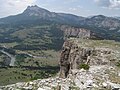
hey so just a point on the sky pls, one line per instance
(78, 7)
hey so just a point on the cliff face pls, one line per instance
(73, 54)
(76, 32)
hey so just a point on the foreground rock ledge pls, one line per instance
(103, 74)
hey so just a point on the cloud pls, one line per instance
(115, 3)
(111, 4)
(9, 7)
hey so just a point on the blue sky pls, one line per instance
(78, 7)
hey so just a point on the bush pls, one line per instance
(118, 64)
(84, 66)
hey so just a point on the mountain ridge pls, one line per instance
(34, 16)
(35, 12)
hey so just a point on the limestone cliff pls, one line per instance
(75, 53)
(76, 32)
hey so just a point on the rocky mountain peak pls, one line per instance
(35, 7)
(36, 11)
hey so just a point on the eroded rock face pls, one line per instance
(76, 32)
(72, 55)
(64, 59)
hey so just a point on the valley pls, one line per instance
(25, 65)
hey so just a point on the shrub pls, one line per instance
(118, 64)
(84, 66)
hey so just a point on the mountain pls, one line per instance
(103, 21)
(35, 13)
(117, 17)
(38, 28)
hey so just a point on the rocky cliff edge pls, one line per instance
(84, 65)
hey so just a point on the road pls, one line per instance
(11, 56)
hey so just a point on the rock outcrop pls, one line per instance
(72, 55)
(76, 32)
